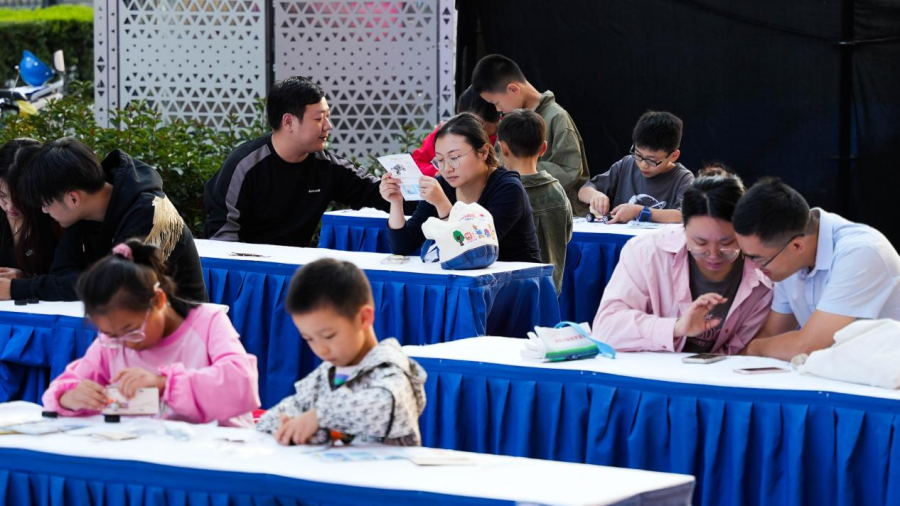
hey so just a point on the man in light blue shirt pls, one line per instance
(828, 271)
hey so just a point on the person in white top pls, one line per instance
(828, 271)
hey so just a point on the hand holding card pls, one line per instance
(403, 167)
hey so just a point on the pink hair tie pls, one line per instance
(123, 250)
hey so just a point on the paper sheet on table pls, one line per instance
(404, 167)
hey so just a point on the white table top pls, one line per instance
(73, 309)
(580, 225)
(491, 476)
(366, 261)
(647, 365)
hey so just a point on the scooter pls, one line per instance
(39, 89)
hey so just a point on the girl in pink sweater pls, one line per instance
(148, 337)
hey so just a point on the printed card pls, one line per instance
(404, 167)
(144, 402)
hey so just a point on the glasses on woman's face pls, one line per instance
(704, 252)
(639, 158)
(452, 161)
(134, 336)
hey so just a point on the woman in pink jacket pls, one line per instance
(149, 338)
(687, 289)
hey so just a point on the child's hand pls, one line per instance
(86, 395)
(599, 204)
(623, 213)
(297, 430)
(134, 378)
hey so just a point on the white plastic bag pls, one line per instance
(467, 240)
(566, 341)
(866, 352)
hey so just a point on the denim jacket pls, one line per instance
(552, 214)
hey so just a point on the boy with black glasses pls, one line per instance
(648, 183)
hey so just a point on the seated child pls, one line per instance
(502, 83)
(364, 390)
(149, 337)
(469, 101)
(522, 142)
(647, 184)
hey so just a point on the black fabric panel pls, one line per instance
(875, 177)
(756, 83)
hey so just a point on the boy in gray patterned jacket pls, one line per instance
(364, 390)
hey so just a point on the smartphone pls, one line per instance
(703, 358)
(395, 259)
(761, 370)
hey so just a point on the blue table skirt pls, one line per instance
(36, 348)
(414, 308)
(590, 259)
(28, 477)
(590, 262)
(744, 446)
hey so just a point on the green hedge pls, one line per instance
(43, 31)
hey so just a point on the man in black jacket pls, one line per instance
(101, 205)
(274, 189)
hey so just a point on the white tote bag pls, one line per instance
(866, 352)
(467, 240)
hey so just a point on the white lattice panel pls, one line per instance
(382, 64)
(106, 58)
(193, 59)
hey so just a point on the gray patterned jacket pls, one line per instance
(380, 403)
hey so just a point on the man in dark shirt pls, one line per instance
(101, 204)
(274, 189)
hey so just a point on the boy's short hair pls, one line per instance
(523, 131)
(658, 131)
(494, 72)
(772, 211)
(328, 283)
(471, 101)
(57, 168)
(291, 96)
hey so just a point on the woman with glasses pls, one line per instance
(150, 338)
(468, 171)
(687, 289)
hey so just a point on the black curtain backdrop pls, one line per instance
(806, 90)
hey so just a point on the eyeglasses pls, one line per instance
(452, 161)
(639, 158)
(763, 265)
(135, 336)
(726, 253)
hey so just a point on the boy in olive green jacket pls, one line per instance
(501, 82)
(521, 137)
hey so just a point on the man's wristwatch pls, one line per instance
(645, 214)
